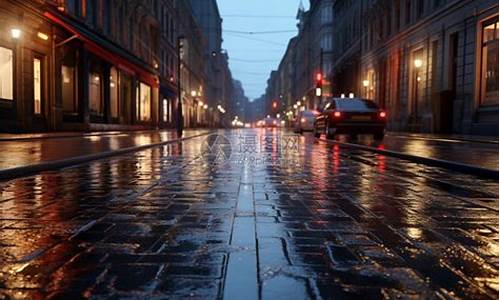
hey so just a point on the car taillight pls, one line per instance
(337, 114)
(274, 122)
(303, 120)
(382, 114)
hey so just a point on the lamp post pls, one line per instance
(180, 119)
(418, 64)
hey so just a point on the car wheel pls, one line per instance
(328, 131)
(378, 136)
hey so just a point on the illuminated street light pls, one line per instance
(200, 103)
(418, 63)
(193, 93)
(299, 103)
(366, 83)
(351, 95)
(16, 33)
(205, 106)
(42, 36)
(342, 96)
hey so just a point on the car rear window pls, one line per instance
(355, 104)
(310, 113)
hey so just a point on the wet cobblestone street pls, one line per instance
(215, 218)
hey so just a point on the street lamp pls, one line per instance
(16, 33)
(418, 63)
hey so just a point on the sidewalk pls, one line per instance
(5, 137)
(476, 153)
(30, 149)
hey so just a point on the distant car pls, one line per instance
(351, 116)
(271, 123)
(305, 121)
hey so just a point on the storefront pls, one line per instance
(56, 74)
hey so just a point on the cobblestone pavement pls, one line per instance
(261, 214)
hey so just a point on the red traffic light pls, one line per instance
(319, 77)
(275, 104)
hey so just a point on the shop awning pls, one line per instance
(106, 49)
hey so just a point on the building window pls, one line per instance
(397, 17)
(326, 14)
(420, 8)
(70, 6)
(389, 23)
(37, 86)
(69, 89)
(408, 12)
(489, 62)
(6, 74)
(95, 93)
(83, 8)
(326, 42)
(113, 93)
(143, 102)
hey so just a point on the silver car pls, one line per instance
(305, 121)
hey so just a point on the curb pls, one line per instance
(71, 135)
(455, 166)
(17, 172)
(444, 139)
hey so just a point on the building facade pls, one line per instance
(293, 86)
(207, 15)
(432, 64)
(347, 47)
(99, 65)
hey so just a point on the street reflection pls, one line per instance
(321, 212)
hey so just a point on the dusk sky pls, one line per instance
(253, 56)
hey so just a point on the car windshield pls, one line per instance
(355, 104)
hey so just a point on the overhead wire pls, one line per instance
(255, 39)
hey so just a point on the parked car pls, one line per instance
(351, 116)
(305, 121)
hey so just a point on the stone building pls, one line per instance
(207, 15)
(432, 64)
(347, 47)
(307, 54)
(97, 65)
(192, 62)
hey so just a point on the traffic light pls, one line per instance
(275, 105)
(319, 84)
